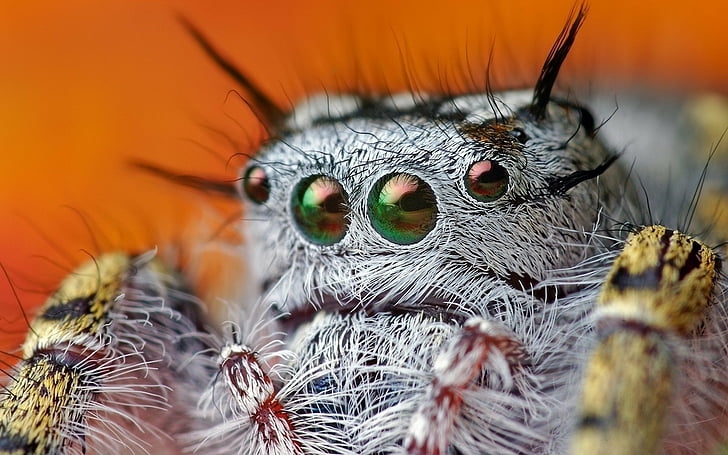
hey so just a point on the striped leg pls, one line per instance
(481, 345)
(254, 421)
(255, 395)
(107, 364)
(657, 294)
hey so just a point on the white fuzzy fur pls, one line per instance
(377, 367)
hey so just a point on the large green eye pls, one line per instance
(319, 208)
(402, 208)
(486, 180)
(256, 185)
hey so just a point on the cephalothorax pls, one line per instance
(428, 269)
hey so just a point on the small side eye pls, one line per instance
(320, 209)
(519, 135)
(587, 120)
(486, 180)
(402, 208)
(256, 185)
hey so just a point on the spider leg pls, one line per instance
(659, 288)
(481, 344)
(106, 365)
(256, 398)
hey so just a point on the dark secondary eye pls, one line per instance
(587, 120)
(486, 180)
(402, 208)
(320, 211)
(519, 135)
(256, 185)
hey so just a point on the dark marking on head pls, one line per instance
(499, 132)
(556, 57)
(262, 106)
(559, 186)
(71, 309)
(374, 108)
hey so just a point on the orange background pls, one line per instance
(86, 86)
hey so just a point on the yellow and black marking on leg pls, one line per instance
(97, 362)
(660, 286)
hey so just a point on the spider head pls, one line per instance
(418, 202)
(407, 202)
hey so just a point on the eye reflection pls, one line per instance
(256, 185)
(320, 208)
(486, 180)
(402, 208)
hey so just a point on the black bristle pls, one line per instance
(225, 188)
(556, 57)
(267, 111)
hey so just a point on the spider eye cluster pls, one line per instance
(401, 207)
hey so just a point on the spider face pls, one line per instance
(367, 198)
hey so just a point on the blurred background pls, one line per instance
(86, 87)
